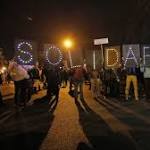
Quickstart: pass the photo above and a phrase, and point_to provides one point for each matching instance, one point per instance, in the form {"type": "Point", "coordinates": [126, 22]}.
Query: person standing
{"type": "Point", "coordinates": [96, 84]}
{"type": "Point", "coordinates": [64, 77]}
{"type": "Point", "coordinates": [78, 79]}
{"type": "Point", "coordinates": [146, 73]}
{"type": "Point", "coordinates": [131, 78]}
{"type": "Point", "coordinates": [114, 83]}
{"type": "Point", "coordinates": [53, 80]}
{"type": "Point", "coordinates": [20, 77]}
{"type": "Point", "coordinates": [70, 76]}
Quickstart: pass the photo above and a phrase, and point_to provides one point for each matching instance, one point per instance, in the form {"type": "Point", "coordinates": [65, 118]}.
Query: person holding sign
{"type": "Point", "coordinates": [147, 82]}
{"type": "Point", "coordinates": [96, 84]}
{"type": "Point", "coordinates": [145, 68]}
{"type": "Point", "coordinates": [131, 58]}
{"type": "Point", "coordinates": [131, 78]}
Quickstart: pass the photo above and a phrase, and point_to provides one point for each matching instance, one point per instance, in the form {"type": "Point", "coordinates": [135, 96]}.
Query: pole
{"type": "Point", "coordinates": [102, 51]}
{"type": "Point", "coordinates": [94, 61]}
{"type": "Point", "coordinates": [70, 58]}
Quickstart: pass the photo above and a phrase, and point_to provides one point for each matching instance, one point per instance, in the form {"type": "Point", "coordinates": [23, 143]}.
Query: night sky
{"type": "Point", "coordinates": [84, 20]}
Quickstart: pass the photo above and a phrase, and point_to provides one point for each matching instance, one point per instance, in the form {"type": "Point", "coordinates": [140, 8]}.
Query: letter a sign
{"type": "Point", "coordinates": [131, 54]}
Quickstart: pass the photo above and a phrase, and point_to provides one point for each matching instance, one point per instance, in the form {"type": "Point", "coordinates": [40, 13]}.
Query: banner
{"type": "Point", "coordinates": [131, 55]}
{"type": "Point", "coordinates": [146, 55]}
{"type": "Point", "coordinates": [112, 57]}
{"type": "Point", "coordinates": [53, 54]}
{"type": "Point", "coordinates": [25, 52]}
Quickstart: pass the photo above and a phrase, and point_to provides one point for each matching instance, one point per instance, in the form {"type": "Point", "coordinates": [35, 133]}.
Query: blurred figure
{"type": "Point", "coordinates": [114, 83]}
{"type": "Point", "coordinates": [64, 77]}
{"type": "Point", "coordinates": [146, 74]}
{"type": "Point", "coordinates": [35, 76]}
{"type": "Point", "coordinates": [96, 84]}
{"type": "Point", "coordinates": [53, 80]}
{"type": "Point", "coordinates": [105, 75]}
{"type": "Point", "coordinates": [78, 79]}
{"type": "Point", "coordinates": [147, 82]}
{"type": "Point", "coordinates": [88, 77]}
{"type": "Point", "coordinates": [71, 73]}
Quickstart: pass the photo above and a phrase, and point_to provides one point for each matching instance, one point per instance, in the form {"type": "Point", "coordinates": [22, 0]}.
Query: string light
{"type": "Point", "coordinates": [55, 49]}
{"type": "Point", "coordinates": [77, 66]}
{"type": "Point", "coordinates": [25, 52]}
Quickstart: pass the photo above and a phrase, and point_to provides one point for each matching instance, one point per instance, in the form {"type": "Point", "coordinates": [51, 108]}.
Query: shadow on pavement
{"type": "Point", "coordinates": [98, 133]}
{"type": "Point", "coordinates": [142, 137]}
{"type": "Point", "coordinates": [27, 128]}
{"type": "Point", "coordinates": [83, 146]}
{"type": "Point", "coordinates": [140, 129]}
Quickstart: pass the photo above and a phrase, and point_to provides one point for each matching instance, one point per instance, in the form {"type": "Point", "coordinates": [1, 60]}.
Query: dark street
{"type": "Point", "coordinates": [87, 124]}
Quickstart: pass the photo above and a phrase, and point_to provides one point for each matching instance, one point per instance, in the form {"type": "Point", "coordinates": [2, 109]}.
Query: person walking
{"type": "Point", "coordinates": [96, 84]}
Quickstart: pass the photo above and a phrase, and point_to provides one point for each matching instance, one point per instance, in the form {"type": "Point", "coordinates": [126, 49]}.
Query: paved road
{"type": "Point", "coordinates": [75, 125]}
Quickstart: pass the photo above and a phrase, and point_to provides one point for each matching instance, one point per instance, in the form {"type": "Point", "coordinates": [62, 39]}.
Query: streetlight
{"type": "Point", "coordinates": [68, 44]}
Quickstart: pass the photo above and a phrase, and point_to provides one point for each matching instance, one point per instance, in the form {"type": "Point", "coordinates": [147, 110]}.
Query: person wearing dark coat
{"type": "Point", "coordinates": [53, 81]}
{"type": "Point", "coordinates": [64, 77]}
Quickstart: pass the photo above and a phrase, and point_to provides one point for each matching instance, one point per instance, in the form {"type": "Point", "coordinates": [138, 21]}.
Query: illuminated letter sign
{"type": "Point", "coordinates": [146, 55]}
{"type": "Point", "coordinates": [53, 54]}
{"type": "Point", "coordinates": [131, 53]}
{"type": "Point", "coordinates": [112, 57]}
{"type": "Point", "coordinates": [25, 52]}
{"type": "Point", "coordinates": [25, 56]}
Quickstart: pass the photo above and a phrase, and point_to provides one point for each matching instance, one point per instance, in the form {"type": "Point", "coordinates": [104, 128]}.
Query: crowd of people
{"type": "Point", "coordinates": [102, 82]}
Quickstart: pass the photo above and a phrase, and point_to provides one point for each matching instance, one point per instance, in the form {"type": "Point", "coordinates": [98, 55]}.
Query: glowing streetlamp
{"type": "Point", "coordinates": [3, 69]}
{"type": "Point", "coordinates": [68, 44]}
